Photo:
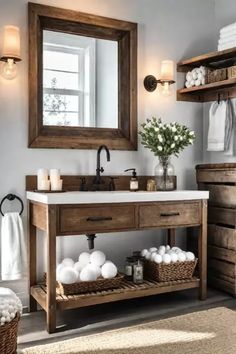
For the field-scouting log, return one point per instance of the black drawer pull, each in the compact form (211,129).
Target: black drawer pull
(171,213)
(99,218)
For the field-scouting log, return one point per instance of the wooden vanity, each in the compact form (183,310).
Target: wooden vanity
(79,213)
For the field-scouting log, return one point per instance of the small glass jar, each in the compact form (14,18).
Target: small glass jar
(138,273)
(129,268)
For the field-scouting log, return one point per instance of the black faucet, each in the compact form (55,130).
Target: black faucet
(99,169)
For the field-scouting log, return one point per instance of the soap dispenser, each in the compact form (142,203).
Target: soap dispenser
(133,186)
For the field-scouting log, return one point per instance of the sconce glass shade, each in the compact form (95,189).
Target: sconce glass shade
(11,43)
(9,69)
(167,70)
(166,89)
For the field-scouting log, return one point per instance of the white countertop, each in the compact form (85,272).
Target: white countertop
(115,197)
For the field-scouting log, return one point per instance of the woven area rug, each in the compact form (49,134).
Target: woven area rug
(204,332)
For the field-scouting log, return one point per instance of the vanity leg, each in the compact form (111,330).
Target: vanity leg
(51,269)
(32,258)
(202,253)
(171,237)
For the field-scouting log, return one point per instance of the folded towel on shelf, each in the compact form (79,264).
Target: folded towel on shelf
(228,29)
(13,247)
(216,130)
(228,45)
(228,39)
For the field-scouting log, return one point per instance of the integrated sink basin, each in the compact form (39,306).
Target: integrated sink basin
(114,197)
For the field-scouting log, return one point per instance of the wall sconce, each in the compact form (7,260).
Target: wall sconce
(10,52)
(166,79)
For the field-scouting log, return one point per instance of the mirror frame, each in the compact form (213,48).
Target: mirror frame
(42,17)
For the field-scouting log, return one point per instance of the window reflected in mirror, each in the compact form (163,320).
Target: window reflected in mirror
(80,81)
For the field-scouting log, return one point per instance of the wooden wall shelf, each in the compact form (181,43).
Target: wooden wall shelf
(214,91)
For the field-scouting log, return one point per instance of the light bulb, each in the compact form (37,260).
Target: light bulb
(166,89)
(9,69)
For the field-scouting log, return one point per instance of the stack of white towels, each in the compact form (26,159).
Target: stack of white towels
(195,77)
(227,37)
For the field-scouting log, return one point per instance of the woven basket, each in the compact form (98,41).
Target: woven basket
(8,336)
(231,72)
(215,75)
(168,272)
(89,286)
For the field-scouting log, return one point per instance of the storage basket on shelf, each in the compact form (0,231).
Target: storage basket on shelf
(168,272)
(88,286)
(215,75)
(8,336)
(231,72)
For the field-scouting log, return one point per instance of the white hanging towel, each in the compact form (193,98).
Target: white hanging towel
(216,130)
(13,247)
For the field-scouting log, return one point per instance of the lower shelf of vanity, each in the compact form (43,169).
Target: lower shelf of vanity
(127,290)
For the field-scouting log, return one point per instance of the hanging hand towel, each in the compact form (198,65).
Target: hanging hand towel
(216,130)
(13,247)
(228,124)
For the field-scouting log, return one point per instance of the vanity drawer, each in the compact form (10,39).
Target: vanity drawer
(169,214)
(96,219)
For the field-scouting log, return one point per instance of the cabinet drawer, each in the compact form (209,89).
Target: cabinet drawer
(169,214)
(95,219)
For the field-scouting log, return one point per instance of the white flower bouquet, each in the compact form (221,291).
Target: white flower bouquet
(165,140)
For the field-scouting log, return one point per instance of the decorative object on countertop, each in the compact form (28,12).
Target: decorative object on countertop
(165,140)
(13,243)
(92,272)
(55,179)
(167,264)
(43,184)
(195,77)
(133,180)
(10,312)
(220,126)
(227,38)
(151,185)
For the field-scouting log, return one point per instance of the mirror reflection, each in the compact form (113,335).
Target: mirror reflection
(80,81)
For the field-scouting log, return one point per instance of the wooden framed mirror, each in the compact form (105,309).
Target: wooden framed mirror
(82,80)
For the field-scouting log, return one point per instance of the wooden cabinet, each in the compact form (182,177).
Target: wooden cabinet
(220,181)
(75,219)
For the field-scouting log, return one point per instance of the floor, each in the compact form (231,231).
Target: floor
(94,319)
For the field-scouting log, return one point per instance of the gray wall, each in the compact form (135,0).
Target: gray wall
(168,29)
(224,14)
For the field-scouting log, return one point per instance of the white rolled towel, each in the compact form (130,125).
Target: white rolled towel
(188,84)
(203,81)
(189,76)
(197,82)
(192,83)
(200,76)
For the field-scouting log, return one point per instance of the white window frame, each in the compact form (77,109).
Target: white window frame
(86,91)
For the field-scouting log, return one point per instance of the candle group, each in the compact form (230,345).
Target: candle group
(44,184)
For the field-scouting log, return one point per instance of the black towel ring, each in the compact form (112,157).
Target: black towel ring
(11,197)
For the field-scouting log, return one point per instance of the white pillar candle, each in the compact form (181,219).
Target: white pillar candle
(56,184)
(42,175)
(44,185)
(54,173)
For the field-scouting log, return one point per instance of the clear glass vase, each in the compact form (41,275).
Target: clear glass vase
(165,175)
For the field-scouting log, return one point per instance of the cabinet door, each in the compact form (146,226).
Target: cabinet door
(169,214)
(94,219)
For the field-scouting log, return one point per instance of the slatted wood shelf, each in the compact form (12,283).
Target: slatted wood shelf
(127,290)
(217,59)
(209,92)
